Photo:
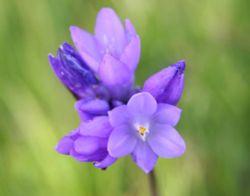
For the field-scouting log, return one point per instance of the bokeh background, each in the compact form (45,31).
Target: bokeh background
(36,110)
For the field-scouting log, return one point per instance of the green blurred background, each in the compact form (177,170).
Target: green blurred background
(36,110)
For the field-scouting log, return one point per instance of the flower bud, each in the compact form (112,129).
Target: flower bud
(73,72)
(167,85)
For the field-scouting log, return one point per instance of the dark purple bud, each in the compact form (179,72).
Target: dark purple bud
(167,85)
(73,72)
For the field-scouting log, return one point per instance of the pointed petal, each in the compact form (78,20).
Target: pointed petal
(129,29)
(108,161)
(121,141)
(89,145)
(114,72)
(167,114)
(142,104)
(119,116)
(116,76)
(166,142)
(110,32)
(87,47)
(144,157)
(98,127)
(131,54)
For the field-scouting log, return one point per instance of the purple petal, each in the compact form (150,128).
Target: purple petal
(94,107)
(108,161)
(116,76)
(121,141)
(129,29)
(131,54)
(74,134)
(167,85)
(98,127)
(97,156)
(64,145)
(167,114)
(110,32)
(144,157)
(119,116)
(142,104)
(89,145)
(166,142)
(87,46)
(85,116)
(114,72)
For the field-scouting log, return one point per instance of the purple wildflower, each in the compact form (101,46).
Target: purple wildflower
(101,77)
(167,85)
(88,143)
(112,52)
(145,130)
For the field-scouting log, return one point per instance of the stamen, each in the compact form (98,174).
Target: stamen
(142,131)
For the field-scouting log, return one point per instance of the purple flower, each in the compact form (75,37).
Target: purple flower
(112,52)
(167,85)
(118,119)
(145,130)
(88,143)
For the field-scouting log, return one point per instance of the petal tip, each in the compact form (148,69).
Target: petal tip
(180,66)
(73,28)
(107,10)
(51,57)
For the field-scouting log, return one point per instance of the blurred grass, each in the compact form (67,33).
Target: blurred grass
(36,110)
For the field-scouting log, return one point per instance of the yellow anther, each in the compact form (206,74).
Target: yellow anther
(142,130)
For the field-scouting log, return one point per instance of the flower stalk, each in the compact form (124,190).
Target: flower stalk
(153,184)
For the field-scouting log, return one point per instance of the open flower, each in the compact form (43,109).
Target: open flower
(88,143)
(113,51)
(167,85)
(145,130)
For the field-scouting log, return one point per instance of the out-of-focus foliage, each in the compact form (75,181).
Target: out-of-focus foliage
(36,110)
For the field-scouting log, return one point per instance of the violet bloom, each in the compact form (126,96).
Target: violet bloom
(113,51)
(88,143)
(145,130)
(167,85)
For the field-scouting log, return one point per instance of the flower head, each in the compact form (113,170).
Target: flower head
(167,85)
(118,119)
(145,130)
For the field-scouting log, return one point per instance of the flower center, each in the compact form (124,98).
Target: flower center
(142,131)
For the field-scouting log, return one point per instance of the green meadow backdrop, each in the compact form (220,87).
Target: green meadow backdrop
(36,110)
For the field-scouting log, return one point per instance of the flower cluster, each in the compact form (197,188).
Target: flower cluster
(118,119)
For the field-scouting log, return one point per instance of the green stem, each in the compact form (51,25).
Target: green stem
(152,184)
